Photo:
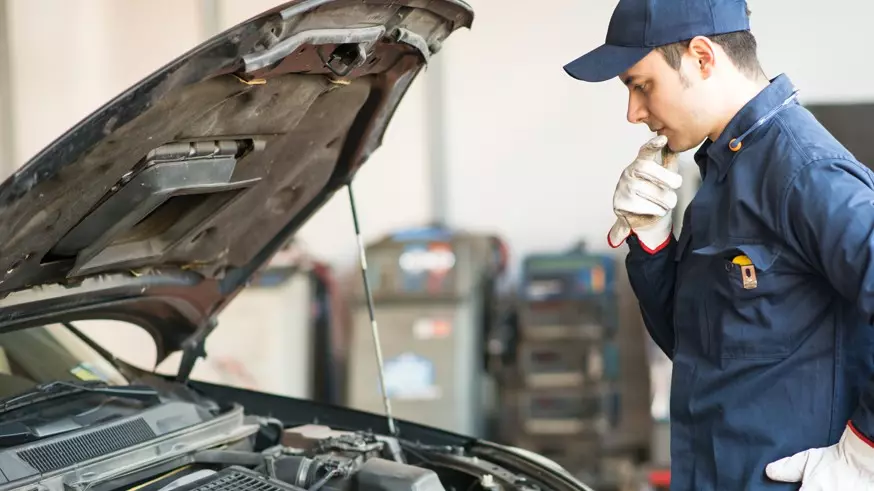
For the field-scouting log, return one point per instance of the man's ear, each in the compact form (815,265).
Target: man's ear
(703,53)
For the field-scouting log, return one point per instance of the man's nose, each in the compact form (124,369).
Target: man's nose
(636,111)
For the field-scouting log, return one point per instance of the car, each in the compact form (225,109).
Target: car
(157,210)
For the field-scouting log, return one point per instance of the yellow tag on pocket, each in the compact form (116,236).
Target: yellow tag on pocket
(742,261)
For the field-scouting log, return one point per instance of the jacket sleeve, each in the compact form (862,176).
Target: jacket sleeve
(652,278)
(828,216)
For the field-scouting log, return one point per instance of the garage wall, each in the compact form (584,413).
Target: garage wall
(69,57)
(531,153)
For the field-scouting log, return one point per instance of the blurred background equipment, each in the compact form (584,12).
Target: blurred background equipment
(434,295)
(570,392)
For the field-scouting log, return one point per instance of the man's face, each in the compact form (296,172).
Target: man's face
(671,103)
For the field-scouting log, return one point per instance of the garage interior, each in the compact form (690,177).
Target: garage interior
(503,313)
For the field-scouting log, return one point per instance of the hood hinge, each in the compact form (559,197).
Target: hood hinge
(194,347)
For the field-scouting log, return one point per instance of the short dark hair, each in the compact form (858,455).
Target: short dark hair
(741,48)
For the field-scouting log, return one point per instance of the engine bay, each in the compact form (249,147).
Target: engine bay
(314,457)
(200,445)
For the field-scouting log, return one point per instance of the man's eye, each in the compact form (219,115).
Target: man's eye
(641,88)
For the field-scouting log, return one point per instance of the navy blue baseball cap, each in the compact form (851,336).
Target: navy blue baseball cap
(639,26)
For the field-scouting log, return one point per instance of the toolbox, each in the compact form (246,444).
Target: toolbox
(568,295)
(561,412)
(592,319)
(578,342)
(572,275)
(569,364)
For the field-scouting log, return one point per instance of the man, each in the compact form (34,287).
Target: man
(765,301)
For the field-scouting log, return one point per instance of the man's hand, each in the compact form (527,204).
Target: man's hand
(848,466)
(645,197)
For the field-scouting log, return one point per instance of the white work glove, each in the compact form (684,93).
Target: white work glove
(645,198)
(847,466)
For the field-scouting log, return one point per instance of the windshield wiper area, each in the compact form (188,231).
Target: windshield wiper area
(63,388)
(17,432)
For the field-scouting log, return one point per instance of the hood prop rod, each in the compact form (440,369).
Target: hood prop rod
(374,329)
(194,347)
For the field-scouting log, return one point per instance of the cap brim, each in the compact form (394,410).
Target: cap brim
(605,62)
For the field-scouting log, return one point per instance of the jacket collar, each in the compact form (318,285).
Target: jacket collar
(764,103)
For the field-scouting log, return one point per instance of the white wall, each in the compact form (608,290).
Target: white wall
(6,144)
(532,154)
(69,57)
(822,46)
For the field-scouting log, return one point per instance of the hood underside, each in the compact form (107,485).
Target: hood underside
(159,207)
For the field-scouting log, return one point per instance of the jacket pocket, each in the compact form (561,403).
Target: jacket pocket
(746,300)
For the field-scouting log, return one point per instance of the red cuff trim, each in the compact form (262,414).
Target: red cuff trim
(860,435)
(660,247)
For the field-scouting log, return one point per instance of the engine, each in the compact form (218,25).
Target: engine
(307,458)
(183,446)
(339,461)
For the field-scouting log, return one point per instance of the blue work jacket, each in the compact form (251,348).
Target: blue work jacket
(765,301)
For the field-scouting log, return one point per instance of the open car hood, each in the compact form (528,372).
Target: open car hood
(159,207)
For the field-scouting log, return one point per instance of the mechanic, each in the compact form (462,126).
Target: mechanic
(765,300)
